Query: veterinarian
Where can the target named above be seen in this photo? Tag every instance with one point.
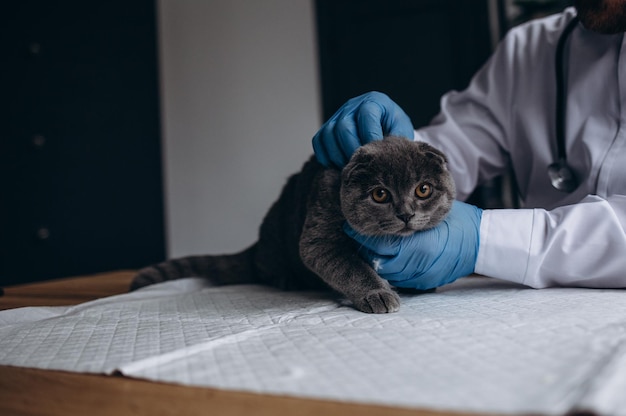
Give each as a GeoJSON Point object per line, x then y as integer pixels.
{"type": "Point", "coordinates": [572, 229]}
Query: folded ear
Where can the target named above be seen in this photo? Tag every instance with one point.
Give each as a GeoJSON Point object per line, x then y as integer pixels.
{"type": "Point", "coordinates": [358, 165]}
{"type": "Point", "coordinates": [353, 171]}
{"type": "Point", "coordinates": [433, 153]}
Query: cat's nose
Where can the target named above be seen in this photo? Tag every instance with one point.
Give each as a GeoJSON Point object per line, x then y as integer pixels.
{"type": "Point", "coordinates": [405, 217]}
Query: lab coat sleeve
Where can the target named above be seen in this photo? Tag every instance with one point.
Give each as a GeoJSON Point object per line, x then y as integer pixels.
{"type": "Point", "coordinates": [581, 245]}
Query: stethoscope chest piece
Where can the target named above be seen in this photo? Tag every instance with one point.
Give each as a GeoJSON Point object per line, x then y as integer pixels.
{"type": "Point", "coordinates": [562, 176]}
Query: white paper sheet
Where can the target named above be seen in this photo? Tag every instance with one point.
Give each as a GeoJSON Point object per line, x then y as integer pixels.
{"type": "Point", "coordinates": [477, 345]}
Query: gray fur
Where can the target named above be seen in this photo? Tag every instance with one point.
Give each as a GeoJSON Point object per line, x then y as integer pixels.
{"type": "Point", "coordinates": [301, 243]}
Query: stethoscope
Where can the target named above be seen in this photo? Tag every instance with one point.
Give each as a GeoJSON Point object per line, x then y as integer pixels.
{"type": "Point", "coordinates": [561, 175]}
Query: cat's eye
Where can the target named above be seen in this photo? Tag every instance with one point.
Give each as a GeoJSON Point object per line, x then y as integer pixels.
{"type": "Point", "coordinates": [380, 195]}
{"type": "Point", "coordinates": [424, 190]}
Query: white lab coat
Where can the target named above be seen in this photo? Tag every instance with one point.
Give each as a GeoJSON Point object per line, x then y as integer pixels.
{"type": "Point", "coordinates": [507, 116]}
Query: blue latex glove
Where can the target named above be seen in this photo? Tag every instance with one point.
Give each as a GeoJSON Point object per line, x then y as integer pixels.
{"type": "Point", "coordinates": [430, 258]}
{"type": "Point", "coordinates": [361, 120]}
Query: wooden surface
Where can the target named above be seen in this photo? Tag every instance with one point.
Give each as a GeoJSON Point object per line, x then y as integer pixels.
{"type": "Point", "coordinates": [69, 291]}
{"type": "Point", "coordinates": [25, 391]}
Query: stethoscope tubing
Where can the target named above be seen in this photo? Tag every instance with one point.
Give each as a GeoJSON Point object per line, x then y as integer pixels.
{"type": "Point", "coordinates": [561, 175]}
{"type": "Point", "coordinates": [561, 89]}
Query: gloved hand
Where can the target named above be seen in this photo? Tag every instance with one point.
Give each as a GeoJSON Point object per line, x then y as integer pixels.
{"type": "Point", "coordinates": [361, 120]}
{"type": "Point", "coordinates": [429, 258]}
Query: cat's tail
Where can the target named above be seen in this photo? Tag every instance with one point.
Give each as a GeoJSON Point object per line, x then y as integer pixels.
{"type": "Point", "coordinates": [228, 269]}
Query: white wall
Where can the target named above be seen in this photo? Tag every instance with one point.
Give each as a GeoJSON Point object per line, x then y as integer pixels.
{"type": "Point", "coordinates": [240, 103]}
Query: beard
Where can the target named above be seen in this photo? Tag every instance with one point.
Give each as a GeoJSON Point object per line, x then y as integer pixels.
{"type": "Point", "coordinates": [602, 16]}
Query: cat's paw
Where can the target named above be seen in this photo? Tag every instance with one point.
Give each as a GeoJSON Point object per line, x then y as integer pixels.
{"type": "Point", "coordinates": [378, 301]}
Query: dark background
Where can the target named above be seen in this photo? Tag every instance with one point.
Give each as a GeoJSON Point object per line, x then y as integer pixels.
{"type": "Point", "coordinates": [412, 50]}
{"type": "Point", "coordinates": [80, 164]}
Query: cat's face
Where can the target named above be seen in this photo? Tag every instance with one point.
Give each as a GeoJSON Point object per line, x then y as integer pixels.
{"type": "Point", "coordinates": [396, 186]}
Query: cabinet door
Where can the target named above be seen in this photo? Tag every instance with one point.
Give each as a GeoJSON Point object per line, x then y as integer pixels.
{"type": "Point", "coordinates": [414, 51]}
{"type": "Point", "coordinates": [80, 159]}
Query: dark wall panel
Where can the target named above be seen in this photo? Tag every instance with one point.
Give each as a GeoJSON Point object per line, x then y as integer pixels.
{"type": "Point", "coordinates": [412, 50]}
{"type": "Point", "coordinates": [80, 160]}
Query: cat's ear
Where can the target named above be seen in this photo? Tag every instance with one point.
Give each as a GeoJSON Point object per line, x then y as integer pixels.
{"type": "Point", "coordinates": [359, 164]}
{"type": "Point", "coordinates": [352, 171]}
{"type": "Point", "coordinates": [436, 154]}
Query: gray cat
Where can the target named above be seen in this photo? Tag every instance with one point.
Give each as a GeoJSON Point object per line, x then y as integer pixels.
{"type": "Point", "coordinates": [389, 187]}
